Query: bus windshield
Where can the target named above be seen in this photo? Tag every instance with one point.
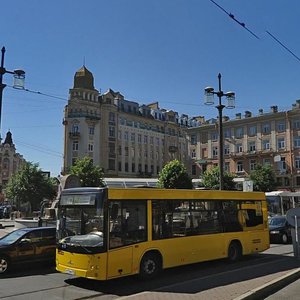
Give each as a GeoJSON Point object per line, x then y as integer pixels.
{"type": "Point", "coordinates": [80, 223]}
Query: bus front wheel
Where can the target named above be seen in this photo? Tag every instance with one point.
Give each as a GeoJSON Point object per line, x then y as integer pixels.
{"type": "Point", "coordinates": [150, 266]}
{"type": "Point", "coordinates": [234, 251]}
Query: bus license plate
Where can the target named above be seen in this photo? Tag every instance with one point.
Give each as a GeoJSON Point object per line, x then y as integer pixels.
{"type": "Point", "coordinates": [70, 272]}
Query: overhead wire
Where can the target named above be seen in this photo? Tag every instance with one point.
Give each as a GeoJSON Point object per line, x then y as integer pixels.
{"type": "Point", "coordinates": [234, 19]}
{"type": "Point", "coordinates": [280, 43]}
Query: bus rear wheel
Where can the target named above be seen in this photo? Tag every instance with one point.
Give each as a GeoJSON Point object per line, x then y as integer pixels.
{"type": "Point", "coordinates": [234, 251]}
{"type": "Point", "coordinates": [150, 266]}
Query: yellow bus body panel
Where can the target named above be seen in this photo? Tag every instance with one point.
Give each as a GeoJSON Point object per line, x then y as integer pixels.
{"type": "Point", "coordinates": [175, 251]}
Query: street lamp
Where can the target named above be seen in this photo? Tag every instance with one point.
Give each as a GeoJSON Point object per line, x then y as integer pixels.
{"type": "Point", "coordinates": [19, 79]}
{"type": "Point", "coordinates": [209, 100]}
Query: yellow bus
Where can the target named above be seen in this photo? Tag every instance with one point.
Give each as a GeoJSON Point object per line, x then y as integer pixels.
{"type": "Point", "coordinates": [105, 233]}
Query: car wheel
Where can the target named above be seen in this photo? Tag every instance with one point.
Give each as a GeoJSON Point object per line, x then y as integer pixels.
{"type": "Point", "coordinates": [4, 264]}
{"type": "Point", "coordinates": [234, 251]}
{"type": "Point", "coordinates": [284, 238]}
{"type": "Point", "coordinates": [150, 266]}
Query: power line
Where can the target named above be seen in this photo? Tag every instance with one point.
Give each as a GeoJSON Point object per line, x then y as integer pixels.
{"type": "Point", "coordinates": [280, 43]}
{"type": "Point", "coordinates": [40, 149]}
{"type": "Point", "coordinates": [233, 18]}
{"type": "Point", "coordinates": [39, 93]}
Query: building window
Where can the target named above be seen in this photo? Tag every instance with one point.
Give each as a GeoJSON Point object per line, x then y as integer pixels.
{"type": "Point", "coordinates": [280, 143]}
{"type": "Point", "coordinates": [239, 132]}
{"type": "Point", "coordinates": [239, 166]}
{"type": "Point", "coordinates": [266, 128]}
{"type": "Point", "coordinates": [282, 165]}
{"type": "Point", "coordinates": [90, 147]}
{"type": "Point", "coordinates": [193, 154]}
{"type": "Point", "coordinates": [75, 146]}
{"type": "Point", "coordinates": [111, 164]}
{"type": "Point", "coordinates": [215, 151]}
{"type": "Point", "coordinates": [139, 138]}
{"type": "Point", "coordinates": [91, 130]}
{"type": "Point", "coordinates": [281, 126]}
{"type": "Point", "coordinates": [252, 164]}
{"type": "Point", "coordinates": [214, 136]}
{"type": "Point", "coordinates": [126, 135]}
{"type": "Point", "coordinates": [297, 141]}
{"type": "Point", "coordinates": [193, 139]}
{"type": "Point", "coordinates": [126, 151]}
{"type": "Point", "coordinates": [226, 150]}
{"type": "Point", "coordinates": [266, 144]}
{"type": "Point", "coordinates": [267, 162]}
{"type": "Point", "coordinates": [132, 167]}
{"type": "Point", "coordinates": [132, 137]}
{"type": "Point", "coordinates": [251, 146]}
{"type": "Point", "coordinates": [297, 162]}
{"type": "Point", "coordinates": [145, 139]}
{"type": "Point", "coordinates": [227, 133]}
{"type": "Point", "coordinates": [194, 168]}
{"type": "Point", "coordinates": [296, 124]}
{"type": "Point", "coordinates": [75, 128]}
{"type": "Point", "coordinates": [298, 180]}
{"type": "Point", "coordinates": [239, 148]}
{"type": "Point", "coordinates": [252, 130]}
{"type": "Point", "coordinates": [111, 132]}
{"type": "Point", "coordinates": [227, 167]}
{"type": "Point", "coordinates": [111, 147]}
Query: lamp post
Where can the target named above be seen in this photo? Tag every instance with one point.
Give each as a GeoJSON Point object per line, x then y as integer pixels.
{"type": "Point", "coordinates": [209, 100]}
{"type": "Point", "coordinates": [19, 78]}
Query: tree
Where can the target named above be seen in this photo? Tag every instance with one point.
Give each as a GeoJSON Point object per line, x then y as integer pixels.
{"type": "Point", "coordinates": [88, 174]}
{"type": "Point", "coordinates": [174, 176]}
{"type": "Point", "coordinates": [211, 179]}
{"type": "Point", "coordinates": [30, 185]}
{"type": "Point", "coordinates": [263, 178]}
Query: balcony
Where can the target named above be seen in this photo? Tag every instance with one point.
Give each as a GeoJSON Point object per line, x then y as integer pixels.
{"type": "Point", "coordinates": [74, 134]}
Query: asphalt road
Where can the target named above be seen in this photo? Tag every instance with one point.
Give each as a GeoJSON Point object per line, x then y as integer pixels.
{"type": "Point", "coordinates": [43, 282]}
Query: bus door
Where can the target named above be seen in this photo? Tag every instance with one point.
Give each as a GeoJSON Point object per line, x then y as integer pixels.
{"type": "Point", "coordinates": [119, 262]}
{"type": "Point", "coordinates": [127, 228]}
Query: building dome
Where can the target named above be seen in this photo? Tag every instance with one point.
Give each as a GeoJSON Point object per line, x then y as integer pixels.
{"type": "Point", "coordinates": [84, 79]}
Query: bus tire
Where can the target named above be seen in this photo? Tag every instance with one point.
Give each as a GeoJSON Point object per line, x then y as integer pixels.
{"type": "Point", "coordinates": [234, 251]}
{"type": "Point", "coordinates": [150, 266]}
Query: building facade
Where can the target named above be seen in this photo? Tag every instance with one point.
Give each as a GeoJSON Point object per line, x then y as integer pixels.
{"type": "Point", "coordinates": [271, 138]}
{"type": "Point", "coordinates": [10, 160]}
{"type": "Point", "coordinates": [124, 138]}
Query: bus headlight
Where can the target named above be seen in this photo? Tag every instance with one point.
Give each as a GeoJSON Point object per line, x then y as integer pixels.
{"type": "Point", "coordinates": [274, 232]}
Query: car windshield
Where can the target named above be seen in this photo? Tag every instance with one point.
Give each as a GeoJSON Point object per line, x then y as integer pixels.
{"type": "Point", "coordinates": [277, 221]}
{"type": "Point", "coordinates": [12, 237]}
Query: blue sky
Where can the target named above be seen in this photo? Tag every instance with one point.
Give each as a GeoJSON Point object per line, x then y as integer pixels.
{"type": "Point", "coordinates": [149, 50]}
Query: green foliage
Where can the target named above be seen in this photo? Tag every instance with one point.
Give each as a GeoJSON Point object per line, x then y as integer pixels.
{"type": "Point", "coordinates": [174, 176]}
{"type": "Point", "coordinates": [30, 185]}
{"type": "Point", "coordinates": [88, 174]}
{"type": "Point", "coordinates": [263, 178]}
{"type": "Point", "coordinates": [211, 179]}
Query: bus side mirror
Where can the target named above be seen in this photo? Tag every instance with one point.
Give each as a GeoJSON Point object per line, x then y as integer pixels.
{"type": "Point", "coordinates": [114, 211]}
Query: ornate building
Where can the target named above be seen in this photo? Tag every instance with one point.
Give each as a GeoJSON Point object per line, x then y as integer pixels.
{"type": "Point", "coordinates": [10, 160]}
{"type": "Point", "coordinates": [124, 138]}
{"type": "Point", "coordinates": [271, 138]}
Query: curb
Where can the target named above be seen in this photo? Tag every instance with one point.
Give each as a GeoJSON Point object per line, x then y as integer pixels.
{"type": "Point", "coordinates": [271, 287]}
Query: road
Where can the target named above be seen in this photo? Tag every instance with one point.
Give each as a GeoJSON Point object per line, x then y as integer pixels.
{"type": "Point", "coordinates": [43, 282]}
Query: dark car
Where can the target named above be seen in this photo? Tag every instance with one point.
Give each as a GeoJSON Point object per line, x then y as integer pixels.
{"type": "Point", "coordinates": [280, 230]}
{"type": "Point", "coordinates": [25, 245]}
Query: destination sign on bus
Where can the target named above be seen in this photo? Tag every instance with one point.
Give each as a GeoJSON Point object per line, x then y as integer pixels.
{"type": "Point", "coordinates": [77, 200]}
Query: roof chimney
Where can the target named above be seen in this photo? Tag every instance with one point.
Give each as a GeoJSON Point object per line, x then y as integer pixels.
{"type": "Point", "coordinates": [260, 111]}
{"type": "Point", "coordinates": [274, 109]}
{"type": "Point", "coordinates": [248, 114]}
{"type": "Point", "coordinates": [238, 116]}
